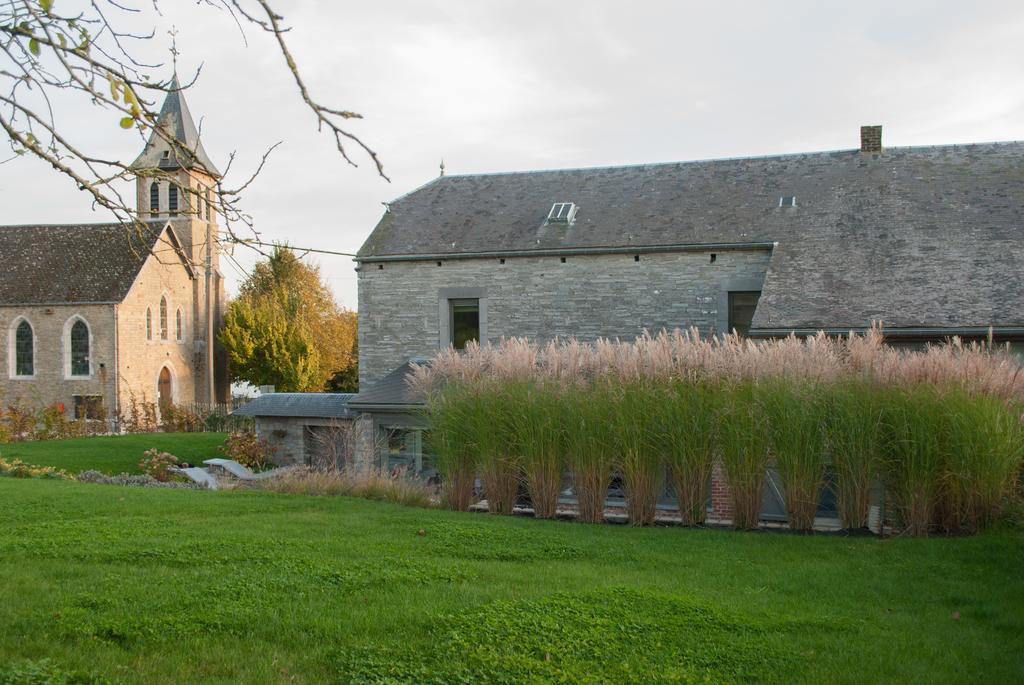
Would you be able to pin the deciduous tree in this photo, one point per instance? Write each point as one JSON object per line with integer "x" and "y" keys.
{"x": 285, "y": 328}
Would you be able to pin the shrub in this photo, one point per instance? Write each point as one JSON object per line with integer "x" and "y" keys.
{"x": 158, "y": 464}
{"x": 589, "y": 446}
{"x": 640, "y": 452}
{"x": 134, "y": 480}
{"x": 688, "y": 429}
{"x": 743, "y": 442}
{"x": 248, "y": 449}
{"x": 795, "y": 414}
{"x": 853, "y": 429}
{"x": 16, "y": 468}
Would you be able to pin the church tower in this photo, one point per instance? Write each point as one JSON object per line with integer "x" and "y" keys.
{"x": 176, "y": 181}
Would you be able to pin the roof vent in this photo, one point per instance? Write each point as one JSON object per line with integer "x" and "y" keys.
{"x": 787, "y": 201}
{"x": 562, "y": 213}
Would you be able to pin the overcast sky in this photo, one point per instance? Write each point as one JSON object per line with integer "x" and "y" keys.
{"x": 503, "y": 86}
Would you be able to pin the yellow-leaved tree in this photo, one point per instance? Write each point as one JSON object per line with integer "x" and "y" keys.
{"x": 285, "y": 328}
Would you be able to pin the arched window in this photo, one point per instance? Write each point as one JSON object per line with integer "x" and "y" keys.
{"x": 163, "y": 318}
{"x": 208, "y": 212}
{"x": 172, "y": 199}
{"x": 24, "y": 350}
{"x": 154, "y": 197}
{"x": 179, "y": 326}
{"x": 149, "y": 323}
{"x": 79, "y": 348}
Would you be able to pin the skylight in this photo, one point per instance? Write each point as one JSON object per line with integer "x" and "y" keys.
{"x": 562, "y": 213}
{"x": 787, "y": 201}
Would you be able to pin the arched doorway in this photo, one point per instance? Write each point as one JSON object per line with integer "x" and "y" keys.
{"x": 163, "y": 389}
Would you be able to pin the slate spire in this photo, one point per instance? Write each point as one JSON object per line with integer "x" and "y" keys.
{"x": 177, "y": 121}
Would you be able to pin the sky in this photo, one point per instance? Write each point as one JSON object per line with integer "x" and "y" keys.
{"x": 492, "y": 86}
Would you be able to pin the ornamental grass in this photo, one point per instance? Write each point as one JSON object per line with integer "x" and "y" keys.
{"x": 853, "y": 429}
{"x": 795, "y": 416}
{"x": 688, "y": 429}
{"x": 588, "y": 434}
{"x": 743, "y": 445}
{"x": 936, "y": 433}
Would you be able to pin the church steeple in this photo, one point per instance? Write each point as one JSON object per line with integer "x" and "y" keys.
{"x": 176, "y": 121}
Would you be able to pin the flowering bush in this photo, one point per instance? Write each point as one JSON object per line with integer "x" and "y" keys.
{"x": 18, "y": 469}
{"x": 133, "y": 480}
{"x": 158, "y": 464}
{"x": 247, "y": 449}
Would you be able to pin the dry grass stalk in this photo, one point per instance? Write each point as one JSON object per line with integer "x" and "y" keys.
{"x": 372, "y": 484}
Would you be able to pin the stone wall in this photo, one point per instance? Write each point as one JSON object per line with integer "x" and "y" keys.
{"x": 52, "y": 382}
{"x": 403, "y": 305}
{"x": 290, "y": 437}
{"x": 140, "y": 357}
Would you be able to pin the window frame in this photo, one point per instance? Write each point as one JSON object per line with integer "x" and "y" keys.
{"x": 149, "y": 324}
{"x": 69, "y": 351}
{"x": 463, "y": 301}
{"x": 729, "y": 312}
{"x": 179, "y": 325}
{"x": 81, "y": 405}
{"x": 154, "y": 197}
{"x": 162, "y": 319}
{"x": 172, "y": 199}
{"x": 13, "y": 347}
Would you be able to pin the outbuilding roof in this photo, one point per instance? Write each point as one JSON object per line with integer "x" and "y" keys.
{"x": 322, "y": 405}
{"x": 77, "y": 263}
{"x": 914, "y": 237}
{"x": 391, "y": 391}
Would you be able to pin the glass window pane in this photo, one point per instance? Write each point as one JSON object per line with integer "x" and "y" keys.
{"x": 163, "y": 318}
{"x": 465, "y": 322}
{"x": 741, "y": 311}
{"x": 24, "y": 354}
{"x": 79, "y": 349}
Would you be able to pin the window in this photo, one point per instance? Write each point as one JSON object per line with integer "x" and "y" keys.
{"x": 179, "y": 330}
{"x": 741, "y": 311}
{"x": 149, "y": 323}
{"x": 172, "y": 200}
{"x": 209, "y": 213}
{"x": 24, "y": 350}
{"x": 163, "y": 318}
{"x": 89, "y": 407}
{"x": 79, "y": 348}
{"x": 465, "y": 322}
{"x": 787, "y": 201}
{"x": 154, "y": 197}
{"x": 403, "y": 450}
{"x": 562, "y": 212}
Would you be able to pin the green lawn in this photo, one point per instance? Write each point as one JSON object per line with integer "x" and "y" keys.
{"x": 113, "y": 453}
{"x": 172, "y": 586}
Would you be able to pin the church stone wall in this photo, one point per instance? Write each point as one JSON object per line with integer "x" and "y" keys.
{"x": 51, "y": 384}
{"x": 141, "y": 358}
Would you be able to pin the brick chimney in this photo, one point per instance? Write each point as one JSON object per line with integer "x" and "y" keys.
{"x": 870, "y": 138}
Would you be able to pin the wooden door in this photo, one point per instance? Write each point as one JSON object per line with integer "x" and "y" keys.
{"x": 163, "y": 388}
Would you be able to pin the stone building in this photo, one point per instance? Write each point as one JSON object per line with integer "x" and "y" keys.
{"x": 100, "y": 315}
{"x": 304, "y": 427}
{"x": 923, "y": 239}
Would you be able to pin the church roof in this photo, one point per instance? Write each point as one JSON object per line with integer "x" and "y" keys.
{"x": 916, "y": 236}
{"x": 75, "y": 263}
{"x": 175, "y": 116}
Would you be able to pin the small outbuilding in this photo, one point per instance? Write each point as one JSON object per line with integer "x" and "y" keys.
{"x": 316, "y": 429}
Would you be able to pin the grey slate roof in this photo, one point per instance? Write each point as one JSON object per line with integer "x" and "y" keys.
{"x": 321, "y": 405}
{"x": 175, "y": 116}
{"x": 391, "y": 390}
{"x": 79, "y": 263}
{"x": 915, "y": 237}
